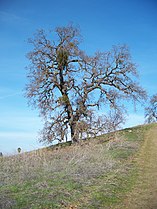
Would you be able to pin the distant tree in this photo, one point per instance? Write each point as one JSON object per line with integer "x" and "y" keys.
{"x": 151, "y": 110}
{"x": 19, "y": 149}
{"x": 113, "y": 120}
{"x": 66, "y": 84}
{"x": 105, "y": 123}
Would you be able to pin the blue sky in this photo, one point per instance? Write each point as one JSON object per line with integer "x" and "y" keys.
{"x": 103, "y": 23}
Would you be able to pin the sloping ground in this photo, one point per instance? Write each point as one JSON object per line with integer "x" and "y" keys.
{"x": 144, "y": 193}
{"x": 112, "y": 171}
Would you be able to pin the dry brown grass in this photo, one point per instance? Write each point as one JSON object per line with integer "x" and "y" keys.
{"x": 62, "y": 175}
{"x": 80, "y": 162}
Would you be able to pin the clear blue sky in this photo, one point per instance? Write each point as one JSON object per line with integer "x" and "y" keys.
{"x": 103, "y": 23}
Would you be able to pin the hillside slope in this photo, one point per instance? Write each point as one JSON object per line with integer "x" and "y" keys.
{"x": 144, "y": 193}
{"x": 112, "y": 171}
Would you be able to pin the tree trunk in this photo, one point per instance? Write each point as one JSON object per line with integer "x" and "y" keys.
{"x": 74, "y": 135}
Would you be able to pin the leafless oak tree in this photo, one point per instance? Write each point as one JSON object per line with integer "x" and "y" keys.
{"x": 151, "y": 110}
{"x": 66, "y": 84}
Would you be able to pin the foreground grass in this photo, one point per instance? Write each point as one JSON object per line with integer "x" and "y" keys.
{"x": 94, "y": 174}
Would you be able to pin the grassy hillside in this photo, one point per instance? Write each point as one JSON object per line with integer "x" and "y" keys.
{"x": 97, "y": 173}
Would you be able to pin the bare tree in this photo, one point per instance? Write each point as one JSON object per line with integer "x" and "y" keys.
{"x": 151, "y": 110}
{"x": 66, "y": 85}
{"x": 106, "y": 123}
{"x": 113, "y": 120}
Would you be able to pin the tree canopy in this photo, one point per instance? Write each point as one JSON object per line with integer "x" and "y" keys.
{"x": 151, "y": 110}
{"x": 68, "y": 86}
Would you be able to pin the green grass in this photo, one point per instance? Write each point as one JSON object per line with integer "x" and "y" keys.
{"x": 95, "y": 174}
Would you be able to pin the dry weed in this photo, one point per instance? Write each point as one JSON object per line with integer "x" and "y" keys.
{"x": 77, "y": 162}
{"x": 80, "y": 162}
